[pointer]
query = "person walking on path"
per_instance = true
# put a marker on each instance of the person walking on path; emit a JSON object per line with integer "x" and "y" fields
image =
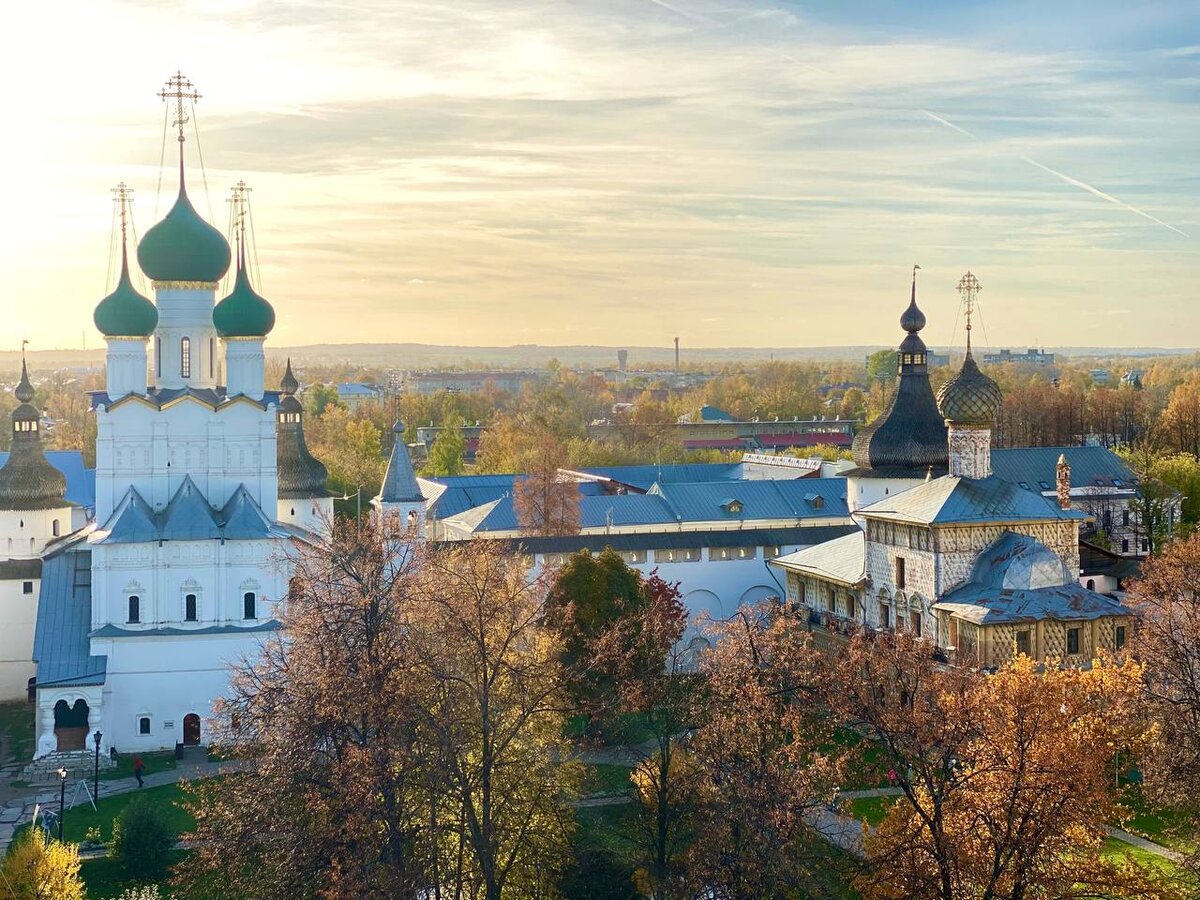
{"x": 138, "y": 768}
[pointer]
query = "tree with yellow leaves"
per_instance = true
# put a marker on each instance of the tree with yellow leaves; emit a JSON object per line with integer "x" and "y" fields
{"x": 37, "y": 868}
{"x": 1006, "y": 779}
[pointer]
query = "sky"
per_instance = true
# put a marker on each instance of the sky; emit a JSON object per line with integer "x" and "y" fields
{"x": 734, "y": 172}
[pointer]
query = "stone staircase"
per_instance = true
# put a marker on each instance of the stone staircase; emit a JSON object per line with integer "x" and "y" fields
{"x": 78, "y": 763}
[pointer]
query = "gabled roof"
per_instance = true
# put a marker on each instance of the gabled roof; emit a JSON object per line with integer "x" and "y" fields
{"x": 954, "y": 499}
{"x": 842, "y": 560}
{"x": 188, "y": 517}
{"x": 161, "y": 398}
{"x": 61, "y": 647}
{"x": 767, "y": 499}
{"x": 1037, "y": 467}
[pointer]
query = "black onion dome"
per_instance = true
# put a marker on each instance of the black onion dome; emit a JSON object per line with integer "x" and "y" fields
{"x": 910, "y": 437}
{"x": 301, "y": 475}
{"x": 970, "y": 397}
{"x": 27, "y": 480}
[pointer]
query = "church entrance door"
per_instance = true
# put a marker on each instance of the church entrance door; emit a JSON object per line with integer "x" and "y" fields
{"x": 191, "y": 730}
{"x": 71, "y": 725}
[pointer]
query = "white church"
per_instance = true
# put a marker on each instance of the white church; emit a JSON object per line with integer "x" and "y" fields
{"x": 203, "y": 487}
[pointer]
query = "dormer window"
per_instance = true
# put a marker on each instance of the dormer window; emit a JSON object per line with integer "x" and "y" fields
{"x": 732, "y": 506}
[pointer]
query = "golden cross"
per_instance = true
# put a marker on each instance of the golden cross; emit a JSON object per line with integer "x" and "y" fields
{"x": 123, "y": 196}
{"x": 179, "y": 89}
{"x": 969, "y": 287}
{"x": 239, "y": 196}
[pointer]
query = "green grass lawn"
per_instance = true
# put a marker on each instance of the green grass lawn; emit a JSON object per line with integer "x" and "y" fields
{"x": 81, "y": 818}
{"x": 869, "y": 809}
{"x": 159, "y": 761}
{"x": 105, "y": 879}
{"x": 1166, "y": 827}
{"x": 605, "y": 778}
{"x": 16, "y": 725}
{"x": 867, "y": 769}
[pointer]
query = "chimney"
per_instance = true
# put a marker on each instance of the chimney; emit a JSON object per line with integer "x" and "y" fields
{"x": 676, "y": 356}
{"x": 1062, "y": 481}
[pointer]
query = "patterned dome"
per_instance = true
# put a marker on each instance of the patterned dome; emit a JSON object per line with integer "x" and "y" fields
{"x": 970, "y": 397}
{"x": 27, "y": 480}
{"x": 301, "y": 474}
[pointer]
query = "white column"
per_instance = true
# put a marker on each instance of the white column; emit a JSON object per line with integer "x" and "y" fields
{"x": 126, "y": 366}
{"x": 244, "y": 364}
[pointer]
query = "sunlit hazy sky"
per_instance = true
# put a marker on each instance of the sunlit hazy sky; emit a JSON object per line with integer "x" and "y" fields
{"x": 735, "y": 172}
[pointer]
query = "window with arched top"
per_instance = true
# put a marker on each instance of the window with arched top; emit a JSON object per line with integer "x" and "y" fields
{"x": 212, "y": 357}
{"x": 158, "y": 357}
{"x": 248, "y": 605}
{"x": 185, "y": 357}
{"x": 189, "y": 608}
{"x": 54, "y": 528}
{"x": 135, "y": 609}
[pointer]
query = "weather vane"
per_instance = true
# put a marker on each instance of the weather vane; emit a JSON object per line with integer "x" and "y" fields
{"x": 122, "y": 196}
{"x": 969, "y": 287}
{"x": 179, "y": 89}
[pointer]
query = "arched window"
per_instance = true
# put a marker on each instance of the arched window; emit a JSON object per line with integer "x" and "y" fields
{"x": 135, "y": 608}
{"x": 158, "y": 357}
{"x": 1091, "y": 584}
{"x": 189, "y": 608}
{"x": 54, "y": 527}
{"x": 212, "y": 358}
{"x": 248, "y": 605}
{"x": 185, "y": 357}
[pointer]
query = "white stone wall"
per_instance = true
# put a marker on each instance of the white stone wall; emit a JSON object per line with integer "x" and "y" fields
{"x": 186, "y": 312}
{"x": 970, "y": 451}
{"x": 862, "y": 492}
{"x": 126, "y": 367}
{"x": 313, "y": 514}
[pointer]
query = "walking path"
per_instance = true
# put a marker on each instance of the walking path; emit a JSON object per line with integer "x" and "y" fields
{"x": 1142, "y": 844}
{"x": 19, "y": 810}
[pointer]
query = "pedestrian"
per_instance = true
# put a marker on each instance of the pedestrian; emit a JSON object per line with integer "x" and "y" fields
{"x": 138, "y": 768}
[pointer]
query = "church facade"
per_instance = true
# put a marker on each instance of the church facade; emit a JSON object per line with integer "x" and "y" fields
{"x": 203, "y": 488}
{"x": 984, "y": 568}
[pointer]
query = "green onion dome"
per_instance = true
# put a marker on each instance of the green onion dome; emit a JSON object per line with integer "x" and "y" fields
{"x": 970, "y": 397}
{"x": 183, "y": 247}
{"x": 244, "y": 313}
{"x": 125, "y": 312}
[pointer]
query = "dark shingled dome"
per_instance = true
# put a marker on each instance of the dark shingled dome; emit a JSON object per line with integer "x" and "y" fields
{"x": 301, "y": 475}
{"x": 910, "y": 437}
{"x": 27, "y": 480}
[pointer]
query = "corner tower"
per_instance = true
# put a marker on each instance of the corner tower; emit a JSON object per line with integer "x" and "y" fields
{"x": 303, "y": 498}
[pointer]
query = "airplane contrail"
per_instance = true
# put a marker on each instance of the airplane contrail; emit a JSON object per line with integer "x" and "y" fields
{"x": 1067, "y": 179}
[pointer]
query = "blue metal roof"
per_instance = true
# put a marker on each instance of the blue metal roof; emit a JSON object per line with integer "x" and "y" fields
{"x": 61, "y": 647}
{"x": 643, "y": 477}
{"x": 952, "y": 499}
{"x": 594, "y": 511}
{"x": 1035, "y": 466}
{"x": 81, "y": 482}
{"x": 188, "y": 517}
{"x": 463, "y": 492}
{"x": 356, "y": 389}
{"x": 808, "y": 498}
{"x": 790, "y": 536}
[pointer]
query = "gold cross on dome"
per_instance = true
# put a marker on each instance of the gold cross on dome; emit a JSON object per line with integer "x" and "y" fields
{"x": 178, "y": 89}
{"x": 239, "y": 196}
{"x": 969, "y": 287}
{"x": 122, "y": 196}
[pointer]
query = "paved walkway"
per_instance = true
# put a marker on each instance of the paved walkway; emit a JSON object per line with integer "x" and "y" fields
{"x": 1142, "y": 844}
{"x": 19, "y": 810}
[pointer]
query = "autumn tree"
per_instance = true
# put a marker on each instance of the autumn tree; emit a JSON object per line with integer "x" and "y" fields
{"x": 1167, "y": 598}
{"x": 38, "y": 868}
{"x": 333, "y": 800}
{"x": 1006, "y": 780}
{"x": 768, "y": 756}
{"x": 490, "y": 720}
{"x": 546, "y": 502}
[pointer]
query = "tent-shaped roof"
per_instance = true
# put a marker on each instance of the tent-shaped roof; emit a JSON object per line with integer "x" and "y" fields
{"x": 842, "y": 560}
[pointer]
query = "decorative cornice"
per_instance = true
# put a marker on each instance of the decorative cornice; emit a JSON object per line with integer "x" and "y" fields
{"x": 246, "y": 340}
{"x": 184, "y": 285}
{"x": 127, "y": 337}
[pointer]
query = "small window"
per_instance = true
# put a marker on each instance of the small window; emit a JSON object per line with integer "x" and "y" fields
{"x": 899, "y": 573}
{"x": 1125, "y": 517}
{"x": 850, "y": 607}
{"x": 54, "y": 528}
{"x": 248, "y": 606}
{"x": 1124, "y": 545}
{"x": 135, "y": 608}
{"x": 1107, "y": 517}
{"x": 144, "y": 725}
{"x": 633, "y": 557}
{"x": 1072, "y": 641}
{"x": 885, "y": 616}
{"x": 1145, "y": 545}
{"x": 1120, "y": 637}
{"x": 916, "y": 624}
{"x": 212, "y": 357}
{"x": 770, "y": 552}
{"x": 1091, "y": 584}
{"x": 189, "y": 608}
{"x": 158, "y": 357}
{"x": 1024, "y": 643}
{"x": 801, "y": 592}
{"x": 830, "y": 600}
{"x": 185, "y": 357}
{"x": 26, "y": 587}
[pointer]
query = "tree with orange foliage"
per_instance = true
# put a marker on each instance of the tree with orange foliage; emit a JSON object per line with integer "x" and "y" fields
{"x": 1167, "y": 599}
{"x": 544, "y": 501}
{"x": 1005, "y": 780}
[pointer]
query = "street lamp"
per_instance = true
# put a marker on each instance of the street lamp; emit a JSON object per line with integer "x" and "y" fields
{"x": 96, "y": 778}
{"x": 62, "y": 801}
{"x": 358, "y": 496}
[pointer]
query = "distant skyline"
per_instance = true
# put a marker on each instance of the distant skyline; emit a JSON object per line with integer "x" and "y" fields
{"x": 623, "y": 171}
